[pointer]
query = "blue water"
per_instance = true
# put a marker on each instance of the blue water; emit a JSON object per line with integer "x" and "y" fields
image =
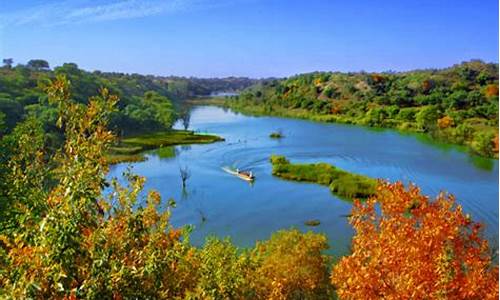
{"x": 217, "y": 203}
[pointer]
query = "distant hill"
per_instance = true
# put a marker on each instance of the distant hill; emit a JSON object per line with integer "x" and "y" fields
{"x": 458, "y": 104}
{"x": 21, "y": 93}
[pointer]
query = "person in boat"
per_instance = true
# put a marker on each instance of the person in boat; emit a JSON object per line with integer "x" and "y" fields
{"x": 249, "y": 174}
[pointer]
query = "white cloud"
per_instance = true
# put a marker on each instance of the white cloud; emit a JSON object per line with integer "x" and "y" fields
{"x": 84, "y": 11}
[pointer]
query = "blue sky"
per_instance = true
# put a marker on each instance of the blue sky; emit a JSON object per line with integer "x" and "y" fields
{"x": 256, "y": 38}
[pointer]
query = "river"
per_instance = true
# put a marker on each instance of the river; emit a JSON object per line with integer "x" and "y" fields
{"x": 217, "y": 203}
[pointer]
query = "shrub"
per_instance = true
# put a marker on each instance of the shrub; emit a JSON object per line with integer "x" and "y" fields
{"x": 413, "y": 248}
{"x": 483, "y": 143}
{"x": 291, "y": 266}
{"x": 445, "y": 122}
{"x": 223, "y": 274}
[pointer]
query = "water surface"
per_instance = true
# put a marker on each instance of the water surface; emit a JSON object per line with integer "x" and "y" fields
{"x": 217, "y": 203}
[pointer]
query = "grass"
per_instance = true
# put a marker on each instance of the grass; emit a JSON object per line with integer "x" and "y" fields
{"x": 340, "y": 182}
{"x": 169, "y": 138}
{"x": 131, "y": 149}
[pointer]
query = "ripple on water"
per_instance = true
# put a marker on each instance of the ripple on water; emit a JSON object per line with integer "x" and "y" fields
{"x": 221, "y": 204}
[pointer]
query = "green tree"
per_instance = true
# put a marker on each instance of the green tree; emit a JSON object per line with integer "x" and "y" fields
{"x": 38, "y": 64}
{"x": 2, "y": 123}
{"x": 483, "y": 144}
{"x": 8, "y": 62}
{"x": 427, "y": 118}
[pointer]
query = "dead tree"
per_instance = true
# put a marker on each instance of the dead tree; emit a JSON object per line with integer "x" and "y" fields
{"x": 185, "y": 174}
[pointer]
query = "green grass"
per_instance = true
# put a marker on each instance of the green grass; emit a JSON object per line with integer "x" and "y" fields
{"x": 340, "y": 182}
{"x": 169, "y": 138}
{"x": 131, "y": 149}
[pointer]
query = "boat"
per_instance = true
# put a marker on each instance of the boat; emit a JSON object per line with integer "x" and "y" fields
{"x": 245, "y": 175}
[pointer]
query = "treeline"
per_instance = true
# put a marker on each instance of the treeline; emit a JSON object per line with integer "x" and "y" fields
{"x": 61, "y": 238}
{"x": 457, "y": 104}
{"x": 190, "y": 87}
{"x": 147, "y": 103}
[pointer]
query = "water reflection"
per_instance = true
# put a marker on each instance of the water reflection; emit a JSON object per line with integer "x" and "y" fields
{"x": 217, "y": 203}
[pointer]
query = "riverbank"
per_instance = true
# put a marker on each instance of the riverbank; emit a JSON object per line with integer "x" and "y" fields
{"x": 218, "y": 101}
{"x": 217, "y": 203}
{"x": 479, "y": 145}
{"x": 131, "y": 149}
{"x": 342, "y": 183}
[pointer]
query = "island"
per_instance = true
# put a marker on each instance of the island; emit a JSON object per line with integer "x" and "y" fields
{"x": 342, "y": 183}
{"x": 131, "y": 149}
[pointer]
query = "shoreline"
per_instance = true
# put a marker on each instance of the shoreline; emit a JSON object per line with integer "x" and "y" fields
{"x": 331, "y": 119}
{"x": 132, "y": 149}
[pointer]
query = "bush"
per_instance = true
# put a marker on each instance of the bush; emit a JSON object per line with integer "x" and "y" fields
{"x": 483, "y": 143}
{"x": 222, "y": 273}
{"x": 408, "y": 247}
{"x": 291, "y": 266}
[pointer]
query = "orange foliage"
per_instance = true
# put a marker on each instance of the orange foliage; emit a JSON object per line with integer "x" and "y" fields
{"x": 491, "y": 90}
{"x": 291, "y": 266}
{"x": 445, "y": 122}
{"x": 377, "y": 78}
{"x": 413, "y": 248}
{"x": 336, "y": 108}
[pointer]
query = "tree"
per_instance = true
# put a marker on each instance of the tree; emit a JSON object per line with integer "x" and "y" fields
{"x": 483, "y": 143}
{"x": 445, "y": 122}
{"x": 291, "y": 266}
{"x": 185, "y": 174}
{"x": 491, "y": 90}
{"x": 414, "y": 248}
{"x": 427, "y": 117}
{"x": 162, "y": 106}
{"x": 185, "y": 117}
{"x": 231, "y": 280}
{"x": 76, "y": 244}
{"x": 8, "y": 62}
{"x": 38, "y": 64}
{"x": 2, "y": 123}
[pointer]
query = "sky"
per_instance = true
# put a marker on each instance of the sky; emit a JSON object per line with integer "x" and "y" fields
{"x": 254, "y": 38}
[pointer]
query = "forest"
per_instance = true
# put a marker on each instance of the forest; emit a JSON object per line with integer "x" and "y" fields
{"x": 62, "y": 238}
{"x": 146, "y": 102}
{"x": 457, "y": 105}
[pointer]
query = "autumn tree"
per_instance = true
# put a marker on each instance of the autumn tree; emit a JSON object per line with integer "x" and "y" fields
{"x": 415, "y": 248}
{"x": 491, "y": 90}
{"x": 62, "y": 237}
{"x": 70, "y": 241}
{"x": 291, "y": 266}
{"x": 445, "y": 122}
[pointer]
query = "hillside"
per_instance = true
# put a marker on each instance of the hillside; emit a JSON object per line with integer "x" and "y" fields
{"x": 146, "y": 102}
{"x": 458, "y": 105}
